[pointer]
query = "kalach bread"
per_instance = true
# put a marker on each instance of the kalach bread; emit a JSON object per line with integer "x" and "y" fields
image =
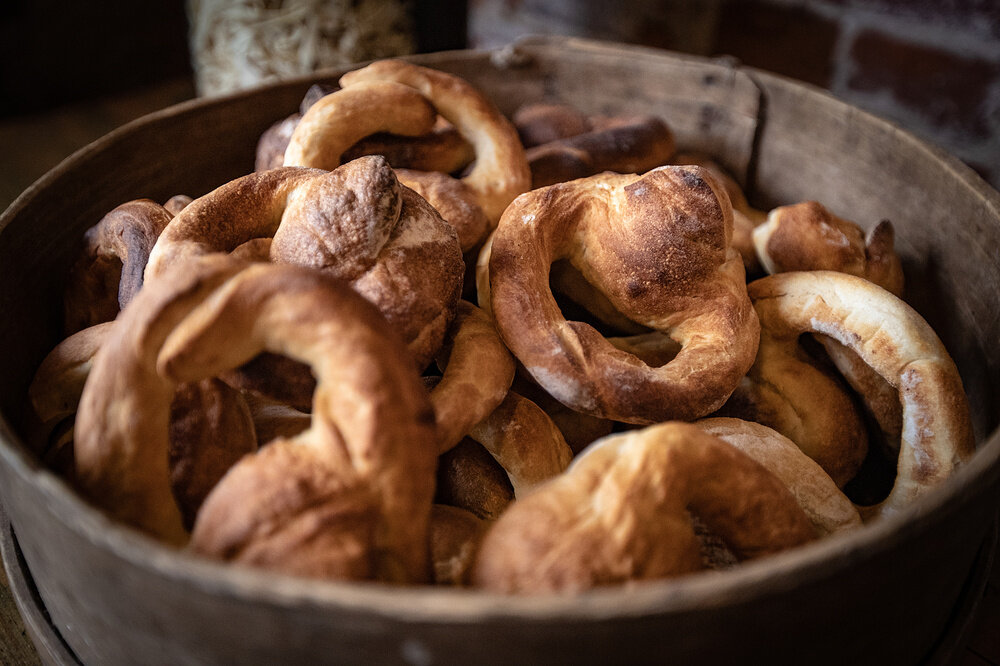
{"x": 657, "y": 246}
{"x": 620, "y": 513}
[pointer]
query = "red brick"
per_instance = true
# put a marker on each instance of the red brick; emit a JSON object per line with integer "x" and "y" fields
{"x": 949, "y": 90}
{"x": 786, "y": 40}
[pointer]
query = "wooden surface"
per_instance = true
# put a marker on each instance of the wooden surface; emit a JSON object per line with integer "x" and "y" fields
{"x": 33, "y": 145}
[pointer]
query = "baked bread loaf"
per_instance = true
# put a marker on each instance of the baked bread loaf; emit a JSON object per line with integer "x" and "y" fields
{"x": 500, "y": 171}
{"x": 349, "y": 497}
{"x": 108, "y": 271}
{"x": 620, "y": 513}
{"x": 356, "y": 223}
{"x": 657, "y": 246}
{"x": 901, "y": 347}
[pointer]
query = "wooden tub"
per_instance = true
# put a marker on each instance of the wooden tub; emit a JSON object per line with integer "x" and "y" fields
{"x": 881, "y": 594}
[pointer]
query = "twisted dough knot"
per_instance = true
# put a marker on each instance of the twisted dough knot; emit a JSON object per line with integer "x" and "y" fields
{"x": 109, "y": 269}
{"x": 896, "y": 342}
{"x": 356, "y": 223}
{"x": 620, "y": 512}
{"x": 658, "y": 247}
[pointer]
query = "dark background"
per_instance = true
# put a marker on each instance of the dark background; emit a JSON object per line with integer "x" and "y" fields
{"x": 932, "y": 66}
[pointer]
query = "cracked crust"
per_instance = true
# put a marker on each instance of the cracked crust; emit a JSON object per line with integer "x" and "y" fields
{"x": 657, "y": 246}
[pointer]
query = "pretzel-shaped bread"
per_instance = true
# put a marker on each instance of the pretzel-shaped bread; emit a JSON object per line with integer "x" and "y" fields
{"x": 337, "y": 121}
{"x": 901, "y": 347}
{"x": 620, "y": 513}
{"x": 788, "y": 390}
{"x": 524, "y": 441}
{"x": 807, "y": 236}
{"x": 657, "y": 246}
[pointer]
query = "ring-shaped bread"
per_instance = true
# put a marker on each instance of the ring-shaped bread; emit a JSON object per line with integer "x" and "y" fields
{"x": 500, "y": 171}
{"x": 808, "y": 237}
{"x": 621, "y": 512}
{"x": 337, "y": 121}
{"x": 899, "y": 345}
{"x": 121, "y": 434}
{"x": 350, "y": 497}
{"x": 524, "y": 441}
{"x": 210, "y": 423}
{"x": 657, "y": 246}
{"x": 356, "y": 223}
{"x": 827, "y": 507}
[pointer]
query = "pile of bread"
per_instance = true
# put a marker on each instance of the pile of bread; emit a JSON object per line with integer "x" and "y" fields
{"x": 423, "y": 343}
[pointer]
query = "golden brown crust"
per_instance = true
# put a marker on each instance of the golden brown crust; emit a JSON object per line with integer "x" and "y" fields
{"x": 367, "y": 461}
{"x": 524, "y": 441}
{"x": 477, "y": 374}
{"x": 121, "y": 434}
{"x": 500, "y": 171}
{"x": 210, "y": 429}
{"x": 339, "y": 120}
{"x": 443, "y": 149}
{"x": 239, "y": 211}
{"x": 453, "y": 200}
{"x": 108, "y": 271}
{"x": 579, "y": 430}
{"x": 657, "y": 246}
{"x": 627, "y": 144}
{"x": 454, "y": 537}
{"x": 469, "y": 478}
{"x": 829, "y": 509}
{"x": 901, "y": 347}
{"x": 787, "y": 390}
{"x": 356, "y": 223}
{"x": 746, "y": 218}
{"x": 417, "y": 281}
{"x": 620, "y": 513}
{"x": 808, "y": 237}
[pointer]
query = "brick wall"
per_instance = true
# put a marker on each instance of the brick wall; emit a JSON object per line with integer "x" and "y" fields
{"x": 931, "y": 66}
